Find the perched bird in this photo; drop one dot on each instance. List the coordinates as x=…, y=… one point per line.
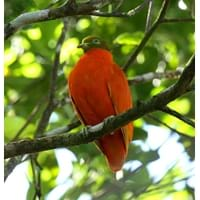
x=98, y=89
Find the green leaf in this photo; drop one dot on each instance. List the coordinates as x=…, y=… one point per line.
x=139, y=134
x=129, y=38
x=42, y=4
x=13, y=124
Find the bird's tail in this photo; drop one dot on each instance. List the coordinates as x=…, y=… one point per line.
x=114, y=148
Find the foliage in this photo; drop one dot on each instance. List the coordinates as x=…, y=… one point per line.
x=29, y=57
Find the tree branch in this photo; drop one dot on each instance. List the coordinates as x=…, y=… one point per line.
x=35, y=168
x=110, y=124
x=149, y=16
x=177, y=115
x=147, y=36
x=170, y=74
x=51, y=100
x=29, y=119
x=64, y=129
x=10, y=165
x=169, y=127
x=69, y=9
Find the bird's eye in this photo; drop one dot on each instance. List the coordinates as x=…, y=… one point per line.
x=96, y=41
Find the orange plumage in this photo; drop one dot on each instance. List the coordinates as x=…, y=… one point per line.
x=98, y=88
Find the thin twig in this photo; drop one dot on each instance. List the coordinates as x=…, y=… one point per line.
x=170, y=111
x=10, y=165
x=170, y=74
x=119, y=4
x=36, y=178
x=129, y=13
x=64, y=129
x=29, y=119
x=51, y=101
x=147, y=36
x=149, y=16
x=169, y=127
x=138, y=8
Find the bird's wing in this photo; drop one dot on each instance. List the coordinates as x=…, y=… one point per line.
x=121, y=99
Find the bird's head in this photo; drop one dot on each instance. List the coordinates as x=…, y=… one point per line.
x=92, y=42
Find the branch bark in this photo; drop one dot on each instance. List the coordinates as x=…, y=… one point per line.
x=69, y=9
x=110, y=124
x=149, y=16
x=170, y=74
x=177, y=115
x=129, y=13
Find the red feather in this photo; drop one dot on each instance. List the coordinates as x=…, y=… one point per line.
x=98, y=88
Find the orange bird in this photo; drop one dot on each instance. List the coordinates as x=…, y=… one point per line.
x=98, y=89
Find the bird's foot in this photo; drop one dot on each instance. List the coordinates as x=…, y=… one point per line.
x=86, y=129
x=107, y=121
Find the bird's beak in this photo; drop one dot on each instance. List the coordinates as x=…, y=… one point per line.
x=83, y=46
x=80, y=46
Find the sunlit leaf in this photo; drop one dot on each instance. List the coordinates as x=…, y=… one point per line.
x=33, y=70
x=82, y=24
x=13, y=124
x=180, y=105
x=42, y=4
x=34, y=33
x=129, y=38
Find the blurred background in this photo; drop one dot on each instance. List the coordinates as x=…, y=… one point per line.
x=160, y=163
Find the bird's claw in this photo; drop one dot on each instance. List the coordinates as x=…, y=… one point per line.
x=86, y=128
x=108, y=119
x=107, y=122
